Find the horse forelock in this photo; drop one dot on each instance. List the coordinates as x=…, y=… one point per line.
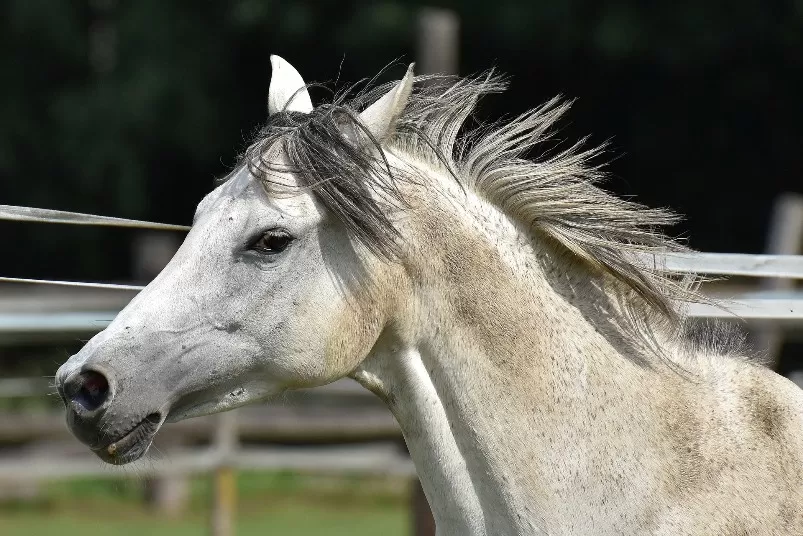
x=555, y=195
x=353, y=183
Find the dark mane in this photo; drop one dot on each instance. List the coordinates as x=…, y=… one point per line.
x=343, y=176
x=555, y=196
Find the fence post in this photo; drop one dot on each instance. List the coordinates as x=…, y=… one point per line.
x=438, y=41
x=437, y=52
x=225, y=479
x=423, y=521
x=168, y=493
x=785, y=237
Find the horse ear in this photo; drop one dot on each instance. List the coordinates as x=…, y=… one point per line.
x=380, y=118
x=287, y=91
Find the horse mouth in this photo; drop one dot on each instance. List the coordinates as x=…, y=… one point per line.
x=133, y=444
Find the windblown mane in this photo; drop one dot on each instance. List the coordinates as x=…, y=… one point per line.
x=555, y=195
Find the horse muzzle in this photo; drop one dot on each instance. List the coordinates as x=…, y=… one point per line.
x=114, y=429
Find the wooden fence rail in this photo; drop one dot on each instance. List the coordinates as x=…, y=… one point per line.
x=329, y=416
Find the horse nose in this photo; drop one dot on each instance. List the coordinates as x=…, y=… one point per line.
x=85, y=391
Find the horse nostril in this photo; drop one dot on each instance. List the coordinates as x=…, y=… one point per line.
x=89, y=389
x=154, y=418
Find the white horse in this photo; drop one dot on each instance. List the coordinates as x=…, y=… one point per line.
x=540, y=370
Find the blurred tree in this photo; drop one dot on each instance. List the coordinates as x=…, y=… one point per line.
x=133, y=108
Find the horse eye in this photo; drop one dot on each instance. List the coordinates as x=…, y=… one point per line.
x=272, y=242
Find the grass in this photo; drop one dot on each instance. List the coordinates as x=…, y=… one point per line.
x=269, y=503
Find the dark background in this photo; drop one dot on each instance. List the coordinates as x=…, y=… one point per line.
x=132, y=109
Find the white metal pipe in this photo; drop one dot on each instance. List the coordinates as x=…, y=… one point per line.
x=111, y=286
x=44, y=215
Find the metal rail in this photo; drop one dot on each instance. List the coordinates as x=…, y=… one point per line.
x=43, y=215
x=733, y=264
x=782, y=307
x=379, y=459
x=82, y=284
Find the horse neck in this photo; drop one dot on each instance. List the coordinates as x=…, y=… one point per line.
x=489, y=364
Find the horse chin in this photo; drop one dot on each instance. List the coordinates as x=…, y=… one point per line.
x=131, y=446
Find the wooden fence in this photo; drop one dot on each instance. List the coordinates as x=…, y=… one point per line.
x=28, y=316
x=353, y=431
x=342, y=427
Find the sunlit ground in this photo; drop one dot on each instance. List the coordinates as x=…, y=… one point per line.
x=269, y=503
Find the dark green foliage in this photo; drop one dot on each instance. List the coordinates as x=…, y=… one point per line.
x=133, y=108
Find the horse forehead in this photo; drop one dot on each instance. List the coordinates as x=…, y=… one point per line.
x=243, y=192
x=243, y=185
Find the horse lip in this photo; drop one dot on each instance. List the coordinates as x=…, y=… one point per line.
x=131, y=445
